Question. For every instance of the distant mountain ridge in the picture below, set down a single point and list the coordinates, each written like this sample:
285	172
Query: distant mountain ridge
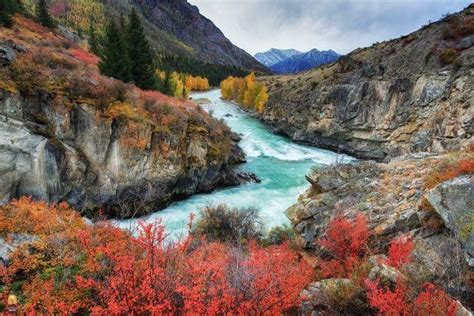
285	61
274	56
305	61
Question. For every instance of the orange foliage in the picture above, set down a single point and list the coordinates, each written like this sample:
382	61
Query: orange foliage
245	91
25	216
448	171
196	83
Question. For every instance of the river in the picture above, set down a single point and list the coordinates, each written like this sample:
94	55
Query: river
280	163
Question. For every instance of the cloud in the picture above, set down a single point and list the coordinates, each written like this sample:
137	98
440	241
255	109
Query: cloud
341	25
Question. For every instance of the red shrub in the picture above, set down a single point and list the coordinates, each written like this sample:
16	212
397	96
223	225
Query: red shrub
389	302
85	56
433	301
447	172
399	252
345	238
430	301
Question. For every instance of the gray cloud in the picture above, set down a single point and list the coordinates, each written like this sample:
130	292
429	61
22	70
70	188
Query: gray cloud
341	25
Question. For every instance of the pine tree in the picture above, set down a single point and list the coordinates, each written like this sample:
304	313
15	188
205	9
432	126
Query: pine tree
93	40
7	9
114	58
43	14
167	89
141	54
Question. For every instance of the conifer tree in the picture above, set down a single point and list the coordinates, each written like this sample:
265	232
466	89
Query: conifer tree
140	53
7	9
93	40
114	58
43	14
167	89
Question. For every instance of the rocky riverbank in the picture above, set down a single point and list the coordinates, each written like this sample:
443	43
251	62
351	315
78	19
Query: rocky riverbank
428	197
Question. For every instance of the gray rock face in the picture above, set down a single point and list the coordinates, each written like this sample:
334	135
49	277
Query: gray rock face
7	55
454	201
56	154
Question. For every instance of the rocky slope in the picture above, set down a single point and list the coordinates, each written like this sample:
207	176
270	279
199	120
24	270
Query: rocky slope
207	42
411	94
69	134
172	26
406	196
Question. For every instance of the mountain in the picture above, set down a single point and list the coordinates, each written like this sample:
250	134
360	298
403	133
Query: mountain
305	61
172	26
411	94
274	56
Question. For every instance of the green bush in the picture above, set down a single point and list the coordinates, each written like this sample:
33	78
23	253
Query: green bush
226	224
279	234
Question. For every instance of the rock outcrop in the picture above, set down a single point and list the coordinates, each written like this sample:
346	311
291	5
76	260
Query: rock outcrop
454	201
69	134
411	94
395	200
58	155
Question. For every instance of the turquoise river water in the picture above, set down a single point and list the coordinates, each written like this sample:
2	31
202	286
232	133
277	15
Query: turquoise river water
280	163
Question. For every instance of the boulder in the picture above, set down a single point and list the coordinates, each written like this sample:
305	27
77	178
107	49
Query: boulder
453	200
7	55
12	242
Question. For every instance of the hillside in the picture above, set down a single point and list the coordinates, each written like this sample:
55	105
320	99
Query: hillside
411	94
173	26
70	134
305	61
274	56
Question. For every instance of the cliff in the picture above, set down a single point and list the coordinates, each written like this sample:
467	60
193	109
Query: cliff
70	134
411	94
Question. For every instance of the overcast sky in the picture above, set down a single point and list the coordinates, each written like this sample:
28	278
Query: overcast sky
341	25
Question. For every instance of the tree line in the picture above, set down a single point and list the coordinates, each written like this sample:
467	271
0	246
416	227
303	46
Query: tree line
245	91
8	8
215	73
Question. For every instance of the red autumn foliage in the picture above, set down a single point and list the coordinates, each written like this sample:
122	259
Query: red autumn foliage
433	301
399	301
399	252
85	56
345	240
448	171
73	267
155	277
387	301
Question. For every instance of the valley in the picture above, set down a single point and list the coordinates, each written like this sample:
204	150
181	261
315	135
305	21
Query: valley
149	166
